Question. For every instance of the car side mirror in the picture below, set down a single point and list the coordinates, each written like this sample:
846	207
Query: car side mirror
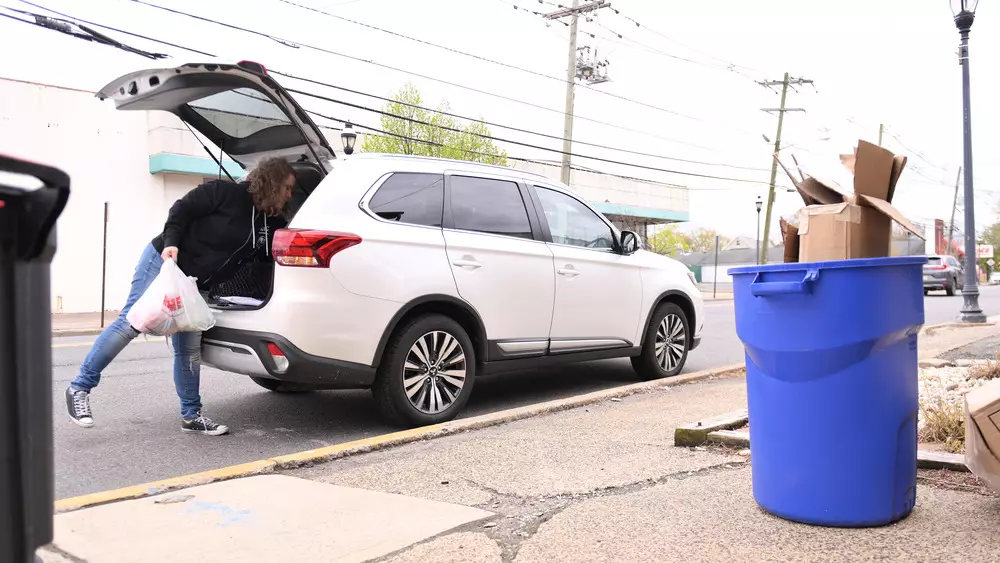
629	242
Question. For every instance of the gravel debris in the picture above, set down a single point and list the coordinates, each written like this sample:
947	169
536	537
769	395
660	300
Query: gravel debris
949	384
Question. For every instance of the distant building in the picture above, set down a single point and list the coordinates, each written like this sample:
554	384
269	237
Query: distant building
703	263
630	203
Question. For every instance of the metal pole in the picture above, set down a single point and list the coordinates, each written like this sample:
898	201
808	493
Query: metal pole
971	312
104	263
757	252
570	93
954	204
774	172
715	273
881	128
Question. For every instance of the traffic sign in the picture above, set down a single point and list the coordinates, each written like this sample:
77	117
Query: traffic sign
984	251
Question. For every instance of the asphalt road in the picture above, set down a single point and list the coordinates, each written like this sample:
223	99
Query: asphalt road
137	436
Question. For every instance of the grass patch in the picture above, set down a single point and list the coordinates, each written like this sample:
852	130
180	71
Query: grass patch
988	371
944	422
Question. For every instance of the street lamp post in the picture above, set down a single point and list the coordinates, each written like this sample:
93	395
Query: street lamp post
758	203
348	138
965	12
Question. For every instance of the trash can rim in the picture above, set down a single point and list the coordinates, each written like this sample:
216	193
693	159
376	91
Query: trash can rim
831	265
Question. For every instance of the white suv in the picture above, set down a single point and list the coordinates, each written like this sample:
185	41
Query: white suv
415	276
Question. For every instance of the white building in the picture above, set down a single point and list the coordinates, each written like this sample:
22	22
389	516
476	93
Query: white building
138	163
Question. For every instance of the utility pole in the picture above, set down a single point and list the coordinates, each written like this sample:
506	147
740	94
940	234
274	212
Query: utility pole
881	129
571	73
954	204
784	83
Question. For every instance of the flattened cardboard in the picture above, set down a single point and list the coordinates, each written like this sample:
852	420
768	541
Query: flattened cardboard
839	226
873	171
812	190
898	164
790	236
891	212
983	405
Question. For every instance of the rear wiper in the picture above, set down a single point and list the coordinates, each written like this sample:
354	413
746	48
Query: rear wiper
74	29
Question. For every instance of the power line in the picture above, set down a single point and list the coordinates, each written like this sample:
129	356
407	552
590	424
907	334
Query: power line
109	28
488	137
731	65
510	127
528	145
76	30
429	109
503	64
295	44
518	159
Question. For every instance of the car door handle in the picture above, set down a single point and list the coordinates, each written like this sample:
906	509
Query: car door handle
568	271
467	263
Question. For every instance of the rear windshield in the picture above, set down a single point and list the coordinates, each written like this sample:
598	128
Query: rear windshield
934	261
240	113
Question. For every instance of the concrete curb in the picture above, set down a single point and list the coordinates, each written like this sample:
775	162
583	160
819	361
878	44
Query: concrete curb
366	445
77	332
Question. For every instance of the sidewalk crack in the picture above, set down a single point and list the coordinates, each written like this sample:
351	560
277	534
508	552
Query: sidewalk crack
55	549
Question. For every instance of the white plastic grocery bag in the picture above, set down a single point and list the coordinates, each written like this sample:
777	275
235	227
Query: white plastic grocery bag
171	304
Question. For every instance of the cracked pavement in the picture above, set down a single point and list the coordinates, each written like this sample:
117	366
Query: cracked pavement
605	483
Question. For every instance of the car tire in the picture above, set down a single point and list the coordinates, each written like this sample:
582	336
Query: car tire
279	386
950	288
411	388
659	357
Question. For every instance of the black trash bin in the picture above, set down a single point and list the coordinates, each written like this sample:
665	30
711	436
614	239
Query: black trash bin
31	198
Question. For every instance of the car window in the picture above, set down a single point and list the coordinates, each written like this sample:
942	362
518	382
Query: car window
488	206
240	112
573	223
417	199
934	260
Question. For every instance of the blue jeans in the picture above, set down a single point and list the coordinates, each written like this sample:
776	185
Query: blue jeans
187	345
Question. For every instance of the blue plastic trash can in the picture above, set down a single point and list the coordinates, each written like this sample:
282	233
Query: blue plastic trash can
831	356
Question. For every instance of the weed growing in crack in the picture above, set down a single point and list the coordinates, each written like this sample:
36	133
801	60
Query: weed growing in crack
944	422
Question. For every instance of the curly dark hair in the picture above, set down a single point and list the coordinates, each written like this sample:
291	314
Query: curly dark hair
267	184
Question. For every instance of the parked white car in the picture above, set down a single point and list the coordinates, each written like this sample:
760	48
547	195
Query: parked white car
416	276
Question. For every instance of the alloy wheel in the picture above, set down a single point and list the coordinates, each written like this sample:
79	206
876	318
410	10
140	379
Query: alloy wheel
671	341
434	372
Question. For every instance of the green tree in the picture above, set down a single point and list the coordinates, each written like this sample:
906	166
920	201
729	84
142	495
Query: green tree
703	240
423	132
669	241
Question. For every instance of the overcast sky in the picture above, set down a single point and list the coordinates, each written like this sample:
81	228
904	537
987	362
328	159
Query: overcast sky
689	67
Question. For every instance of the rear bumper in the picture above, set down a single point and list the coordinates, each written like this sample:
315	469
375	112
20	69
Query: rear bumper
245	352
937	283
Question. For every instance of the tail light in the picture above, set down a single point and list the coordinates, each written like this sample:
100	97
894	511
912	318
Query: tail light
280	361
942	267
310	249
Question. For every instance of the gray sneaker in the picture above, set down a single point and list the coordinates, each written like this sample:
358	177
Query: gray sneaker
78	404
204	425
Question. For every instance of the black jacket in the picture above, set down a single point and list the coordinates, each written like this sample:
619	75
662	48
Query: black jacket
216	228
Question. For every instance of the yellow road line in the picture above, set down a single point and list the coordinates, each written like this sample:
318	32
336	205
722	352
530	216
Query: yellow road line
365	445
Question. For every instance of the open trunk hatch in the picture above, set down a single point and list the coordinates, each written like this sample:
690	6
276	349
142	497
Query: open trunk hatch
239	108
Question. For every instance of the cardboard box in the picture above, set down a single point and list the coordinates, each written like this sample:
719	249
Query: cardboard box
982	432
836	225
983	405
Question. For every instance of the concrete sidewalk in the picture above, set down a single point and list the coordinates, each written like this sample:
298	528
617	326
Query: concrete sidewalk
80	324
601	482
